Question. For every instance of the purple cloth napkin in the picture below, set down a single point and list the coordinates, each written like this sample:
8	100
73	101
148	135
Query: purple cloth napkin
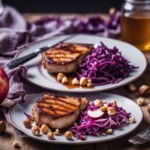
15	31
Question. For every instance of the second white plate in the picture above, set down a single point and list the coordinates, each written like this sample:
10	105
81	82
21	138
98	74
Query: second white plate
39	76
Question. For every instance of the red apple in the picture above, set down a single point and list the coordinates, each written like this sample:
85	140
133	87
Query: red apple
4	85
95	114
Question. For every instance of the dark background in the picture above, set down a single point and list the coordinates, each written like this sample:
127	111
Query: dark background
64	6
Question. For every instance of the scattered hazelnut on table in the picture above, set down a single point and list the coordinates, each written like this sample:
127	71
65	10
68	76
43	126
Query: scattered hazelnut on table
50	135
75	81
45	129
112	11
98	103
64	80
132	120
114	102
109	131
111	111
2	126
35	130
15	143
132	87
144	90
68	135
83	81
60	76
27	123
148	107
140	101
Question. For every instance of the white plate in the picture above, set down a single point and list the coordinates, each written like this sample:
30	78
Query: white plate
16	117
39	76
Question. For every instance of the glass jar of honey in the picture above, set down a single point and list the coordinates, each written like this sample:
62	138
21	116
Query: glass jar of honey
135	23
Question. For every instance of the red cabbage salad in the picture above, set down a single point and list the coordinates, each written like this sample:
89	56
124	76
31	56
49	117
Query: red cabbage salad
105	66
88	126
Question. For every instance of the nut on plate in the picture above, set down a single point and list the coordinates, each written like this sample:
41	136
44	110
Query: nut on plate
109	131
27	123
2	126
64	80
60	76
144	90
75	81
98	103
132	120
50	135
114	102
103	108
132	87
45	129
140	101
111	111
15	143
35	130
68	135
104	134
83	81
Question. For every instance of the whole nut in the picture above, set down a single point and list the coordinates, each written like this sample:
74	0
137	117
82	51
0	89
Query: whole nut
2	127
68	135
35	130
114	102
144	90
148	107
60	76
27	123
98	103
45	129
16	144
103	108
64	80
140	101
132	120
83	81
132	87
112	11
50	135
111	111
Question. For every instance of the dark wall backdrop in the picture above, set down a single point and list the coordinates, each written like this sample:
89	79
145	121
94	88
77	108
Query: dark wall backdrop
64	6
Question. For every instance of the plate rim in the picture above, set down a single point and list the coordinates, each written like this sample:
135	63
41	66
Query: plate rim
87	90
77	143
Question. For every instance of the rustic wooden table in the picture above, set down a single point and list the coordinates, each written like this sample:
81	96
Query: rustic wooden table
7	138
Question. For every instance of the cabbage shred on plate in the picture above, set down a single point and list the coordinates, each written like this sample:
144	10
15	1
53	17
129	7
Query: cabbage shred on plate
88	126
105	66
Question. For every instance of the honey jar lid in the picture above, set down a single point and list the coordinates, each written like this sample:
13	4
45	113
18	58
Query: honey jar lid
139	1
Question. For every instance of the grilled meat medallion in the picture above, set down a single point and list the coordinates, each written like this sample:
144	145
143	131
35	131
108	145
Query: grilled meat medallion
65	58
58	111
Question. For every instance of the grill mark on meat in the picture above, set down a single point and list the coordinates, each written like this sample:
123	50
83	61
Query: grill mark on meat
57	106
70	52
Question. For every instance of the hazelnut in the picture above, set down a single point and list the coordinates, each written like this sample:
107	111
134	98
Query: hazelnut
114	102
64	80
144	90
60	76
68	135
2	126
89	80
75	124
148	108
132	87
15	143
56	133
56	130
27	123
111	111
112	11
98	103
50	135
109	131
35	130
83	81
132	120
89	84
104	134
75	81
140	101
45	129
105	105
103	108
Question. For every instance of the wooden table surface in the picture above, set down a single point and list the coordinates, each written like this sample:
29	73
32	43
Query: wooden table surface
7	138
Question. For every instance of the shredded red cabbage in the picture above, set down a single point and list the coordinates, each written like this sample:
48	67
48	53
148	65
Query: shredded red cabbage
88	126
105	66
28	116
